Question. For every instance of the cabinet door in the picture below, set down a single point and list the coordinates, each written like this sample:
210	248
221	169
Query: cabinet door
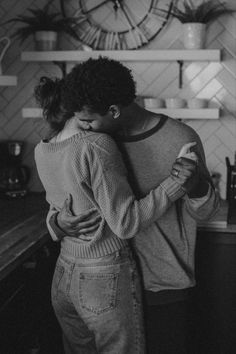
216	285
26	314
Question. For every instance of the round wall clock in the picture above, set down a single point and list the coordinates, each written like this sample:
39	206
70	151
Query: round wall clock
117	24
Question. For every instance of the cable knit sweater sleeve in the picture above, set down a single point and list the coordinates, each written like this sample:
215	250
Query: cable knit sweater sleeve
125	215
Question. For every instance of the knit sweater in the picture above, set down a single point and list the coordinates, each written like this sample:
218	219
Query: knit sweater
166	249
89	166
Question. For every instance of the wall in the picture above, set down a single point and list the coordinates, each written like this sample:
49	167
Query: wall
214	81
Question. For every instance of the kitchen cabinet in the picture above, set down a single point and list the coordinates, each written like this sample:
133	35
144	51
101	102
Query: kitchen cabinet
27	320
27	261
60	58
22	229
216	286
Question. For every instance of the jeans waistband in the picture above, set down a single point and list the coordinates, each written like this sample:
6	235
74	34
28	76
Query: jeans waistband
117	257
99	249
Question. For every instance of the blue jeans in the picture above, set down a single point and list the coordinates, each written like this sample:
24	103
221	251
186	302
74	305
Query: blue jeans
98	304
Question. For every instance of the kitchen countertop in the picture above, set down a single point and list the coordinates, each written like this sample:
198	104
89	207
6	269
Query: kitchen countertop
22	229
218	223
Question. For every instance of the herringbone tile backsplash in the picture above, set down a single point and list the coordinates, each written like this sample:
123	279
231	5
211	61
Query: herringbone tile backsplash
213	81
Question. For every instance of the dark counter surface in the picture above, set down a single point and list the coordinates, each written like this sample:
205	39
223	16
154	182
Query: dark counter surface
218	223
22	229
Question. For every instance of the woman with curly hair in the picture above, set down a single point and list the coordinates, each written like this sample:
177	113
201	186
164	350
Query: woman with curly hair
96	290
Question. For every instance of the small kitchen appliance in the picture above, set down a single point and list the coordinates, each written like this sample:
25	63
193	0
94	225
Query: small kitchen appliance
13	175
231	191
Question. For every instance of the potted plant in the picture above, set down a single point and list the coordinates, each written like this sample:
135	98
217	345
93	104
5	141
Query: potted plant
194	18
44	26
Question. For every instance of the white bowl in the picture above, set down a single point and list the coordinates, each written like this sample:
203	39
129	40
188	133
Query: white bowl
152	102
197	103
175	102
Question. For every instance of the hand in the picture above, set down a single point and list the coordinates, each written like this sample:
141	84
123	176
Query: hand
185	172
186	151
201	187
77	225
84	125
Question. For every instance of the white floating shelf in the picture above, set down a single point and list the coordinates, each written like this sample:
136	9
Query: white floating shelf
8	80
32	113
184	113
187	113
124	55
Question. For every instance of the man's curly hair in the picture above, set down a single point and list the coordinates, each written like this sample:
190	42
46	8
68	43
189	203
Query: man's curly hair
98	84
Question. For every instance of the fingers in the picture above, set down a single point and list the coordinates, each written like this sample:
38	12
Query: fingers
67	205
84	125
87	214
78	226
87	224
191	156
181	174
184	168
82	233
72	224
184	165
88	229
186	149
79	220
85	238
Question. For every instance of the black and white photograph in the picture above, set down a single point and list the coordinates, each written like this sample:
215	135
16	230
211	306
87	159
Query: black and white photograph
117	177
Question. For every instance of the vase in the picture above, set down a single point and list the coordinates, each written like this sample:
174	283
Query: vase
194	35
45	40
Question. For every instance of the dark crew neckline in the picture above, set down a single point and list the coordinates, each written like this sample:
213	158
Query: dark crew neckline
146	134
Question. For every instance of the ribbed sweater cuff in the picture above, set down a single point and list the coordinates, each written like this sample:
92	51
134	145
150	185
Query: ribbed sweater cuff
172	189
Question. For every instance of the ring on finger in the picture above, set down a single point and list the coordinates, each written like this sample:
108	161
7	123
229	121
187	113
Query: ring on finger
175	172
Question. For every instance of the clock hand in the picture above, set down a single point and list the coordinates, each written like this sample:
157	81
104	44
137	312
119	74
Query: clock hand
126	14
116	5
96	7
139	37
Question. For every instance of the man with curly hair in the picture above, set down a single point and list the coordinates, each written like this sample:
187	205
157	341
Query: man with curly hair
102	94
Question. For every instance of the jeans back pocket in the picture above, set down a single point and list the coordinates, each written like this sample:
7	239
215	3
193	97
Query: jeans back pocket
98	292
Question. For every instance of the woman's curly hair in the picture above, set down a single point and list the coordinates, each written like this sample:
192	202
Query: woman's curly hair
48	95
98	84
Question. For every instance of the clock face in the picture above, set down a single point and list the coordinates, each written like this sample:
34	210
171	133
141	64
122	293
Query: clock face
117	24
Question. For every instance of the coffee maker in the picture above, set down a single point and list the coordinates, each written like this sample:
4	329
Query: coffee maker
231	191
13	175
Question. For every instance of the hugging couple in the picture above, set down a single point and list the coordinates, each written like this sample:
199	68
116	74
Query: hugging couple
126	188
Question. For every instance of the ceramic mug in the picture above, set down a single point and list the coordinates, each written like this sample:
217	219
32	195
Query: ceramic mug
197	103
175	102
152	102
